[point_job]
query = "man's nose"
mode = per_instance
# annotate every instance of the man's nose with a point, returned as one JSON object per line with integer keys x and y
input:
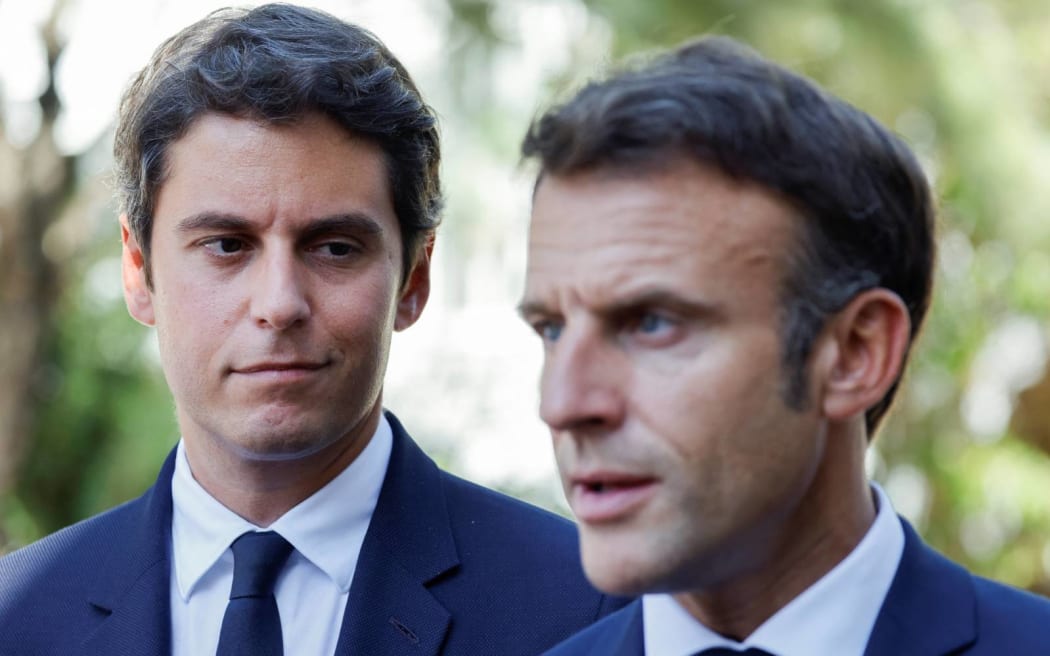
{"x": 582, "y": 384}
{"x": 279, "y": 298}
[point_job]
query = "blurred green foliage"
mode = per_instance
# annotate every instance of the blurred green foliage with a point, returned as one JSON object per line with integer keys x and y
{"x": 104, "y": 420}
{"x": 965, "y": 82}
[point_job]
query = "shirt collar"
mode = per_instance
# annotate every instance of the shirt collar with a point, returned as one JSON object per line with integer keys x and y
{"x": 835, "y": 615}
{"x": 327, "y": 528}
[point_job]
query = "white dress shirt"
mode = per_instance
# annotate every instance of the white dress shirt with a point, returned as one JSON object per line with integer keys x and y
{"x": 326, "y": 529}
{"x": 832, "y": 617}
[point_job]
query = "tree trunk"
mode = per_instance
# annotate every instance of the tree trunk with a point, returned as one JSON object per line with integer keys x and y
{"x": 35, "y": 183}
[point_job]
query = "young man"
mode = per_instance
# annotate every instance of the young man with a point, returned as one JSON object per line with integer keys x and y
{"x": 728, "y": 267}
{"x": 278, "y": 173}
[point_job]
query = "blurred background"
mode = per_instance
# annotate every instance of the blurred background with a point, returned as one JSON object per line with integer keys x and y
{"x": 85, "y": 417}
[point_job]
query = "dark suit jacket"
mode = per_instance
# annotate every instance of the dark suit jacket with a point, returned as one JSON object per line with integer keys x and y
{"x": 933, "y": 608}
{"x": 447, "y": 567}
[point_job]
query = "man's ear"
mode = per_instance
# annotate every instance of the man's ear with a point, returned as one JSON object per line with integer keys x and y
{"x": 137, "y": 294}
{"x": 416, "y": 289}
{"x": 861, "y": 353}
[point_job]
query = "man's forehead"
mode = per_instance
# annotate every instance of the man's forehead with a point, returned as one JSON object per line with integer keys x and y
{"x": 680, "y": 231}
{"x": 309, "y": 172}
{"x": 688, "y": 202}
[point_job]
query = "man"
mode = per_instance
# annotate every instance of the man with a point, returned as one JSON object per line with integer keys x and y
{"x": 278, "y": 173}
{"x": 727, "y": 268}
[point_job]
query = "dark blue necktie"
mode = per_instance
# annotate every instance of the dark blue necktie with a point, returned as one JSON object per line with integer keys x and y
{"x": 726, "y": 651}
{"x": 252, "y": 625}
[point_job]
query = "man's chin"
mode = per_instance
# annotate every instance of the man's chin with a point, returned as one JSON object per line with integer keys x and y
{"x": 278, "y": 446}
{"x": 617, "y": 573}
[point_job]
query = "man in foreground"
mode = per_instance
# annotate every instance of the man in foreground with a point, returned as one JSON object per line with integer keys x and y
{"x": 727, "y": 267}
{"x": 278, "y": 175}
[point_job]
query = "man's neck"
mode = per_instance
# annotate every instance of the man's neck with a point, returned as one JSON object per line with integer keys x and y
{"x": 262, "y": 490}
{"x": 826, "y": 525}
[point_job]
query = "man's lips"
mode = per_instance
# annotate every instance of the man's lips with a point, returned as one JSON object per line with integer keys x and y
{"x": 279, "y": 371}
{"x": 276, "y": 366}
{"x": 600, "y": 496}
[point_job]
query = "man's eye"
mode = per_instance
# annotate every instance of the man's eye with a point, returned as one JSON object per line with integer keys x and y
{"x": 336, "y": 249}
{"x": 549, "y": 331}
{"x": 650, "y": 323}
{"x": 654, "y": 328}
{"x": 225, "y": 245}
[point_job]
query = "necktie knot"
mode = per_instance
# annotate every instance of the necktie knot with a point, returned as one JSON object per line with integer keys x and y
{"x": 257, "y": 560}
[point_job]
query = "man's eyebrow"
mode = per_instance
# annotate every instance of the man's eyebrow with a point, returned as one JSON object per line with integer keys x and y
{"x": 213, "y": 221}
{"x": 655, "y": 298}
{"x": 355, "y": 222}
{"x": 527, "y": 308}
{"x": 660, "y": 298}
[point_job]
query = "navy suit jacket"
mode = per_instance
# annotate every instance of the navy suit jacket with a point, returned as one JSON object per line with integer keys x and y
{"x": 933, "y": 608}
{"x": 447, "y": 567}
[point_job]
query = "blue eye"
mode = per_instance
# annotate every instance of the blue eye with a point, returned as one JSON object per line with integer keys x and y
{"x": 549, "y": 331}
{"x": 652, "y": 323}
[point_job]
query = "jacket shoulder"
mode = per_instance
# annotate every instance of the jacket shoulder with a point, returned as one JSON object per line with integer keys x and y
{"x": 619, "y": 632}
{"x": 66, "y": 556}
{"x": 45, "y": 586}
{"x": 532, "y": 553}
{"x": 1010, "y": 620}
{"x": 494, "y": 530}
{"x": 502, "y": 517}
{"x": 935, "y": 606}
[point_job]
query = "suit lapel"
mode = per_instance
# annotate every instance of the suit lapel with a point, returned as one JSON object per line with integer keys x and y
{"x": 408, "y": 545}
{"x": 930, "y": 609}
{"x": 132, "y": 590}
